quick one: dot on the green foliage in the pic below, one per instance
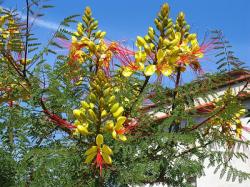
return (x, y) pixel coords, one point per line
(8, 169)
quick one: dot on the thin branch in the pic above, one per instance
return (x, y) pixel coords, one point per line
(26, 38)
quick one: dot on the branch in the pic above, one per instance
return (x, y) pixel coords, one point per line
(221, 110)
(26, 38)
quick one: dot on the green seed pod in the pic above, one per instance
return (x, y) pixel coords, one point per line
(156, 21)
(169, 25)
(166, 42)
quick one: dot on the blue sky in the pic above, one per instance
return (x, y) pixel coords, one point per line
(124, 20)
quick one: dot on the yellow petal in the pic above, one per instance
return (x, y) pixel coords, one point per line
(76, 123)
(141, 66)
(199, 55)
(77, 113)
(127, 72)
(109, 125)
(99, 140)
(114, 134)
(150, 70)
(242, 111)
(107, 159)
(74, 39)
(160, 55)
(83, 129)
(120, 120)
(167, 71)
(90, 158)
(114, 107)
(85, 104)
(91, 105)
(122, 137)
(91, 150)
(106, 149)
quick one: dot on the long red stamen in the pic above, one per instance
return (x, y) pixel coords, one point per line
(99, 161)
(121, 131)
(57, 120)
(123, 54)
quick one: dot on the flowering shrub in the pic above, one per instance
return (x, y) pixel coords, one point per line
(88, 110)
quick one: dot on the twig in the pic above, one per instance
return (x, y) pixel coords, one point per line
(26, 38)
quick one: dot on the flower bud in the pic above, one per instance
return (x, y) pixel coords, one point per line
(141, 41)
(103, 34)
(85, 104)
(114, 107)
(77, 113)
(118, 112)
(106, 92)
(92, 114)
(111, 99)
(104, 113)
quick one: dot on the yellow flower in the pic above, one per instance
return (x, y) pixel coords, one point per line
(150, 70)
(101, 152)
(118, 129)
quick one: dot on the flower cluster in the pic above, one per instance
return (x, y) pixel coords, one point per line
(170, 50)
(100, 114)
(230, 125)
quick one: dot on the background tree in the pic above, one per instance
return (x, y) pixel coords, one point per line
(80, 121)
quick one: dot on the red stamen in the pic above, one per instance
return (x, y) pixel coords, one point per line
(130, 125)
(57, 120)
(123, 54)
(99, 161)
(121, 131)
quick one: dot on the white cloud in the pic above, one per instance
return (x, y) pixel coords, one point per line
(40, 22)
